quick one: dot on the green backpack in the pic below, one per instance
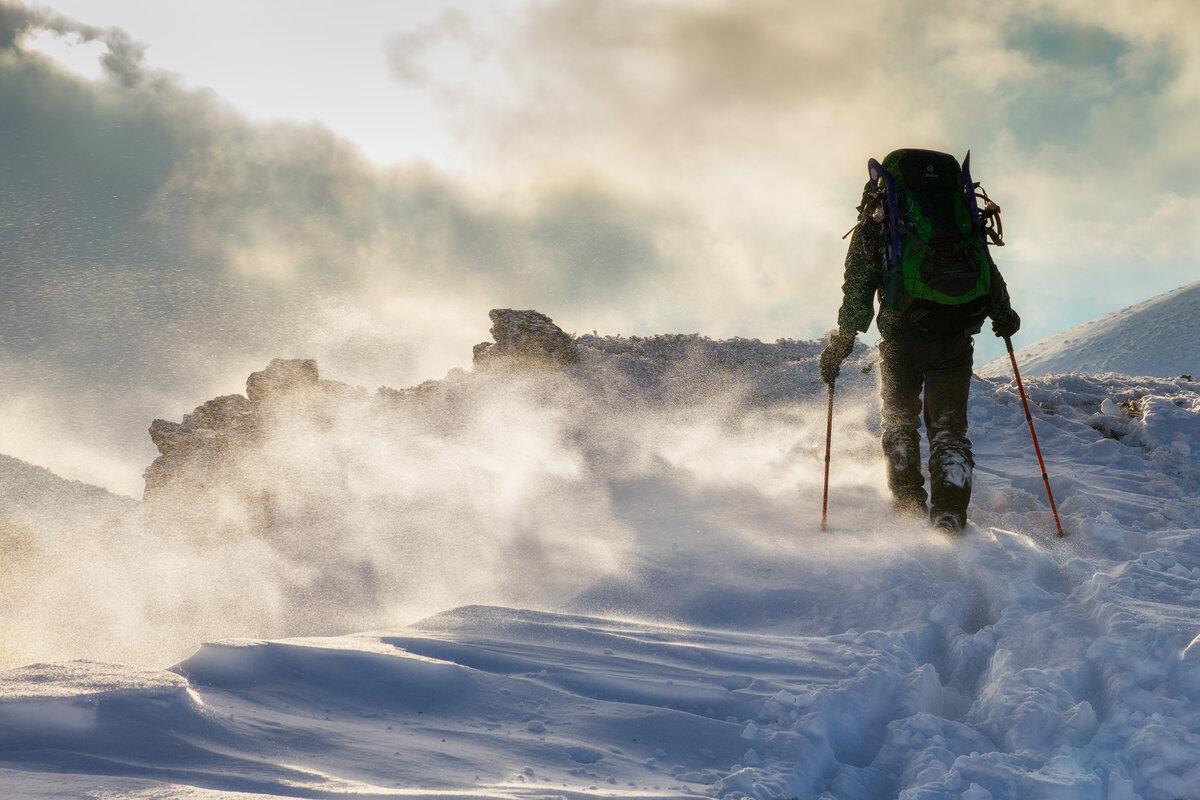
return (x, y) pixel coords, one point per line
(936, 270)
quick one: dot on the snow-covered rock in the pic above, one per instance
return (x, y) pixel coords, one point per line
(214, 437)
(282, 378)
(525, 338)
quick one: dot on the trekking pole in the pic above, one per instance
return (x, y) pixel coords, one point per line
(828, 443)
(1029, 418)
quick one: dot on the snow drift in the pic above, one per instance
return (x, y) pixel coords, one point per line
(607, 579)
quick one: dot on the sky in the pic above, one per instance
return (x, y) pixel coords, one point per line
(191, 189)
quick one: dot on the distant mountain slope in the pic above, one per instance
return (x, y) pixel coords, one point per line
(1159, 337)
(34, 495)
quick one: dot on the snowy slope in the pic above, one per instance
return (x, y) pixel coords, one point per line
(723, 647)
(1159, 337)
(35, 496)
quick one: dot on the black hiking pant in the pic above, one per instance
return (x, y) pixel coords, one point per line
(912, 363)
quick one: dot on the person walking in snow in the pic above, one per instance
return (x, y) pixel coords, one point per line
(918, 249)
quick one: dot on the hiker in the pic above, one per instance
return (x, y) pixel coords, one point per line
(917, 247)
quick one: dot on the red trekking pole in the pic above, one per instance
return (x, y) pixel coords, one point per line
(828, 443)
(1028, 418)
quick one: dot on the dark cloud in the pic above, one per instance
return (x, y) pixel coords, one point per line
(14, 22)
(123, 59)
(153, 242)
(1074, 46)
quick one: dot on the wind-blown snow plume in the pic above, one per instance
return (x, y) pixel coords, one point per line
(308, 506)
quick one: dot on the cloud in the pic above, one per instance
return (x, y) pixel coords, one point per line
(639, 167)
(757, 117)
(123, 59)
(664, 83)
(410, 51)
(157, 247)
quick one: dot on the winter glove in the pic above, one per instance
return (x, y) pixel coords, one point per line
(840, 345)
(1005, 322)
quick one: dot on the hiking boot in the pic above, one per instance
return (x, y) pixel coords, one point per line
(948, 524)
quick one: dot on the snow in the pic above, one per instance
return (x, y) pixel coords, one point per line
(705, 639)
(1157, 337)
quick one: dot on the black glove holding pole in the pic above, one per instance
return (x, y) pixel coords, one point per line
(839, 347)
(1005, 322)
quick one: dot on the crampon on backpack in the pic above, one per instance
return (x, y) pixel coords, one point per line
(936, 271)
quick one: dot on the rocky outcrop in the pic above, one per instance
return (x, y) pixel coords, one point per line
(525, 339)
(205, 437)
(194, 452)
(209, 447)
(281, 379)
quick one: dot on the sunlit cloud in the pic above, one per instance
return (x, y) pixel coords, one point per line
(757, 117)
(71, 50)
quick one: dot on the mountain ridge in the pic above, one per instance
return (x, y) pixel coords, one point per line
(1158, 337)
(34, 494)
